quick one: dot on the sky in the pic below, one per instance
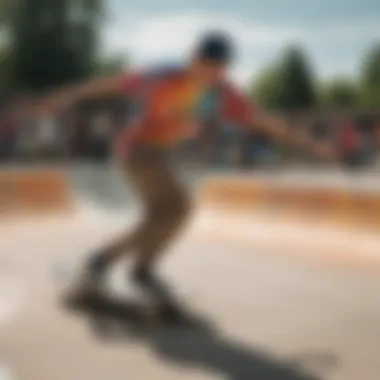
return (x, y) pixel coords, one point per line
(335, 33)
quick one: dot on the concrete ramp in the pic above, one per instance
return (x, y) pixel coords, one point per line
(280, 299)
(275, 302)
(33, 192)
(345, 204)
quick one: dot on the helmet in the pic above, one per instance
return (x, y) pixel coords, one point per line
(215, 46)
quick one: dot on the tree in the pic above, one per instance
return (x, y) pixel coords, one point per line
(340, 93)
(5, 68)
(54, 42)
(110, 65)
(288, 84)
(265, 90)
(297, 88)
(6, 11)
(7, 8)
(370, 78)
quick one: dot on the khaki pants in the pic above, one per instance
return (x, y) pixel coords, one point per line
(165, 203)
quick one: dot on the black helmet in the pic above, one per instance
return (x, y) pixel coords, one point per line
(215, 46)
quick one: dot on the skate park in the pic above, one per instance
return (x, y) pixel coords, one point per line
(286, 283)
(270, 114)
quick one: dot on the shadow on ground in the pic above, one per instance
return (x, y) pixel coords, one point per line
(194, 344)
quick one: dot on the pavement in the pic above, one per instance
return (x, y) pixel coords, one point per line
(279, 301)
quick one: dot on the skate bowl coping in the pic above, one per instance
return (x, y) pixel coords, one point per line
(33, 192)
(320, 203)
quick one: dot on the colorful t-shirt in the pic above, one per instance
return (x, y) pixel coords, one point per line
(168, 106)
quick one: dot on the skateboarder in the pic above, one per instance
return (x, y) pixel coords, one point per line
(168, 102)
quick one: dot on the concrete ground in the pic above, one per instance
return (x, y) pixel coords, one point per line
(282, 302)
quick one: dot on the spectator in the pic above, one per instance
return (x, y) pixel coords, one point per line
(49, 139)
(101, 135)
(367, 124)
(79, 135)
(7, 137)
(377, 134)
(321, 130)
(260, 149)
(207, 139)
(350, 144)
(229, 146)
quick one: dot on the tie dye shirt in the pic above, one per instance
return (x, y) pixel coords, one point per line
(168, 107)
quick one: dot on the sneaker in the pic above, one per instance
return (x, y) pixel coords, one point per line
(153, 285)
(92, 279)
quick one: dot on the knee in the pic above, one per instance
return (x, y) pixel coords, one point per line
(174, 208)
(180, 206)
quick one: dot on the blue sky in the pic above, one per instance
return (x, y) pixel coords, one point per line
(335, 33)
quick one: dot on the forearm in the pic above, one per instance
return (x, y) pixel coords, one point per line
(280, 131)
(94, 89)
(238, 108)
(298, 139)
(61, 99)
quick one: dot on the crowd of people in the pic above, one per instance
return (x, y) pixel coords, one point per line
(79, 133)
(86, 132)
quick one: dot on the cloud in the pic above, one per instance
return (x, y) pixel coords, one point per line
(150, 38)
(150, 35)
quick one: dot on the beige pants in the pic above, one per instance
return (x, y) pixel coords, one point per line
(165, 203)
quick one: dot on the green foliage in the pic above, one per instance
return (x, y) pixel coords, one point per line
(266, 90)
(50, 43)
(288, 84)
(109, 66)
(5, 69)
(53, 42)
(340, 93)
(297, 82)
(370, 79)
(7, 8)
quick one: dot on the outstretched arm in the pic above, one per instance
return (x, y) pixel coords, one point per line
(279, 130)
(239, 108)
(96, 88)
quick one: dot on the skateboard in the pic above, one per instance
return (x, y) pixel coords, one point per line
(131, 305)
(106, 307)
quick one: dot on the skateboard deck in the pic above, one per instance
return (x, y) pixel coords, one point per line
(128, 304)
(107, 308)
